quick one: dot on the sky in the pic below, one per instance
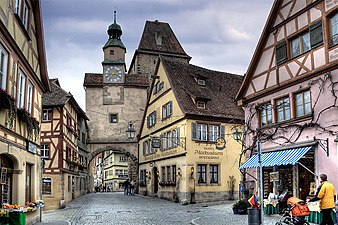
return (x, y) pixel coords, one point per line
(218, 34)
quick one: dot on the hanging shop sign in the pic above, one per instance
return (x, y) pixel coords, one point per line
(220, 143)
(31, 147)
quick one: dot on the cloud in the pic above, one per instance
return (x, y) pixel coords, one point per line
(218, 34)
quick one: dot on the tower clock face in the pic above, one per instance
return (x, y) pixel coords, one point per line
(113, 74)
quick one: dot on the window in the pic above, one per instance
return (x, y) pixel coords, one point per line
(201, 82)
(69, 120)
(164, 141)
(25, 15)
(3, 67)
(142, 177)
(334, 30)
(300, 45)
(21, 90)
(47, 115)
(176, 137)
(167, 110)
(266, 114)
(29, 182)
(201, 173)
(111, 51)
(30, 97)
(22, 10)
(168, 173)
(283, 109)
(68, 153)
(205, 132)
(213, 173)
(145, 148)
(17, 6)
(307, 40)
(163, 173)
(44, 151)
(113, 118)
(174, 173)
(69, 184)
(200, 104)
(303, 103)
(151, 119)
(118, 172)
(46, 186)
(213, 132)
(123, 158)
(281, 53)
(169, 139)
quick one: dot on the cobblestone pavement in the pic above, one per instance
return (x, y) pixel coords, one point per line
(118, 209)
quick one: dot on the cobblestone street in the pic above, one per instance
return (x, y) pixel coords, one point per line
(116, 208)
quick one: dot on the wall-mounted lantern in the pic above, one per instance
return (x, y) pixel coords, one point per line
(130, 131)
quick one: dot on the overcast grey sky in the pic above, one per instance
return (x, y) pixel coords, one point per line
(218, 34)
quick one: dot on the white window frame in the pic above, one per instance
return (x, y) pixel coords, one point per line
(25, 15)
(202, 132)
(17, 6)
(21, 89)
(169, 139)
(201, 82)
(30, 91)
(200, 104)
(213, 132)
(3, 67)
(47, 180)
(45, 148)
(45, 114)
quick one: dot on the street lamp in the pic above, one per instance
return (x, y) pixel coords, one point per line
(130, 131)
(237, 135)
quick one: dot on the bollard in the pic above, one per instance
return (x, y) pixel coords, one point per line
(253, 216)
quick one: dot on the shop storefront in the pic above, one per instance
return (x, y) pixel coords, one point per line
(290, 171)
(6, 169)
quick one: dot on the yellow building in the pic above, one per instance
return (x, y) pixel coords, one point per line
(115, 170)
(189, 110)
(23, 80)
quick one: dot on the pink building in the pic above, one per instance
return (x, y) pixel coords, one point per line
(290, 98)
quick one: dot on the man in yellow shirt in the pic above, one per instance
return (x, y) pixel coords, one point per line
(326, 194)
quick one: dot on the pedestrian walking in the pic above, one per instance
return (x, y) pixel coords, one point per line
(326, 193)
(132, 187)
(126, 185)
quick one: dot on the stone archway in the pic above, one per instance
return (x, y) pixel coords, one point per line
(132, 162)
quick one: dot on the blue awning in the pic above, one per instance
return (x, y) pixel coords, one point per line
(277, 158)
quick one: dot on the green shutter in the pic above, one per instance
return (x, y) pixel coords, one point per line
(222, 132)
(194, 131)
(281, 53)
(316, 34)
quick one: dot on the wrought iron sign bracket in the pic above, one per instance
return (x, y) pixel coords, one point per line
(324, 144)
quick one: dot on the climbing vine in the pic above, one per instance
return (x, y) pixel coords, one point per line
(291, 131)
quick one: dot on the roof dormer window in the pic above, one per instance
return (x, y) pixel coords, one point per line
(200, 104)
(201, 82)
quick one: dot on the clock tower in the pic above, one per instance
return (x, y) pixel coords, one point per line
(114, 56)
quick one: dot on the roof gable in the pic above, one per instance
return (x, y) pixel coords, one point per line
(286, 19)
(159, 37)
(218, 92)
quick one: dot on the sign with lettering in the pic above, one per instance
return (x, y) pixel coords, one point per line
(156, 143)
(31, 147)
(209, 153)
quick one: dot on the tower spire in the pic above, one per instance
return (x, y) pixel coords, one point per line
(115, 15)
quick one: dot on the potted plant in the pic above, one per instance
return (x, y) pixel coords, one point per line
(240, 207)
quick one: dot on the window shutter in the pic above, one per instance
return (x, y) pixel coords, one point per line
(194, 131)
(154, 117)
(161, 139)
(281, 53)
(316, 34)
(222, 132)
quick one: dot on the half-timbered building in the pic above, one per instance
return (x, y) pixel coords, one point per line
(61, 181)
(23, 80)
(289, 95)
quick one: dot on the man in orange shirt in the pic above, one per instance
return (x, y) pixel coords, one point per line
(326, 194)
